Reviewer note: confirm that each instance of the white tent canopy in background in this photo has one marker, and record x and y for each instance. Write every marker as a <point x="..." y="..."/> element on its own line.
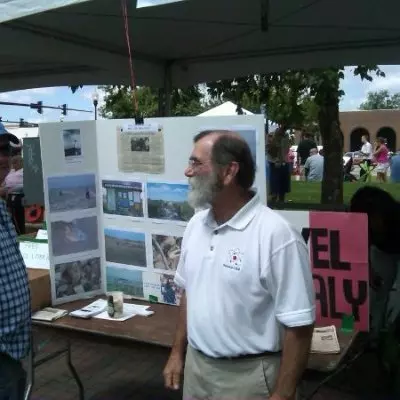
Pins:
<point x="22" y="133"/>
<point x="185" y="43"/>
<point x="227" y="108"/>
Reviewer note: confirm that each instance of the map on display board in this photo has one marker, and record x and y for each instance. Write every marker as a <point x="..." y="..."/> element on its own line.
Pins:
<point x="117" y="201"/>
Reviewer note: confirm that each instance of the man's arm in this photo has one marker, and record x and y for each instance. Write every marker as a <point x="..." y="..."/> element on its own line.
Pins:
<point x="180" y="342"/>
<point x="296" y="347"/>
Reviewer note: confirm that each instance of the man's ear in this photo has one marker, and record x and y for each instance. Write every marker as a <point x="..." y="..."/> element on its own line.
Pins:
<point x="229" y="173"/>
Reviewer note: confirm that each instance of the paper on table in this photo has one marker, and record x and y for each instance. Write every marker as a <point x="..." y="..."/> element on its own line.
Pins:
<point x="324" y="340"/>
<point x="130" y="310"/>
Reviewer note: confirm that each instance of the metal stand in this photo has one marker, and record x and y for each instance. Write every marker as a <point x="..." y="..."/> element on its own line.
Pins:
<point x="32" y="364"/>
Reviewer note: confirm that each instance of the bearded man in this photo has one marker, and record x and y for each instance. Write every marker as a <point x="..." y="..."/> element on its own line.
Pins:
<point x="247" y="310"/>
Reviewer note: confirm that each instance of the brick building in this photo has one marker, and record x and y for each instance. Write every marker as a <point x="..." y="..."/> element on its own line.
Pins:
<point x="385" y="123"/>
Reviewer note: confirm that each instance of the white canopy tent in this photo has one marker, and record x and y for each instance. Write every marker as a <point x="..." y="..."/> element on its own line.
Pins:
<point x="227" y="108"/>
<point x="184" y="43"/>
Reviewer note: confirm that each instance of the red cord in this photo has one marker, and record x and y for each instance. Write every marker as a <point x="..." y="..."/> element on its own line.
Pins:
<point x="128" y="42"/>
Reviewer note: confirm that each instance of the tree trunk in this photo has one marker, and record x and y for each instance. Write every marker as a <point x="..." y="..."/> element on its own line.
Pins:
<point x="332" y="141"/>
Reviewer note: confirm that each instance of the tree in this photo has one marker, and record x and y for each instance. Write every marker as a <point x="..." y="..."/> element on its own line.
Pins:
<point x="118" y="102"/>
<point x="298" y="98"/>
<point x="381" y="100"/>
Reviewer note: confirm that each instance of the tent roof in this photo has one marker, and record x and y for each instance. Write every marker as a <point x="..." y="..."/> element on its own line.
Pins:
<point x="227" y="108"/>
<point x="84" y="43"/>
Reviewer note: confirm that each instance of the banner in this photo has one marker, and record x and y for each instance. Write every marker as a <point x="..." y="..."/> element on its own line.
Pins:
<point x="338" y="244"/>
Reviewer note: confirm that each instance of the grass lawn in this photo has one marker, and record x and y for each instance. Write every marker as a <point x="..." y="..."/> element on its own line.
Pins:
<point x="309" y="192"/>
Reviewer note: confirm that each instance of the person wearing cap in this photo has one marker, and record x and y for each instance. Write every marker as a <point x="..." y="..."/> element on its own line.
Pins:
<point x="248" y="303"/>
<point x="15" y="301"/>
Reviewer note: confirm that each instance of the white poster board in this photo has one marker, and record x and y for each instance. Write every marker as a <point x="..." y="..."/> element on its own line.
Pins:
<point x="116" y="197"/>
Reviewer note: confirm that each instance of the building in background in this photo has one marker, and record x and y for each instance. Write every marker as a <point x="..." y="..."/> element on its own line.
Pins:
<point x="374" y="123"/>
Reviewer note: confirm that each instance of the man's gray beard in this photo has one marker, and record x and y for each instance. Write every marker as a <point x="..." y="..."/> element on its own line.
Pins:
<point x="202" y="191"/>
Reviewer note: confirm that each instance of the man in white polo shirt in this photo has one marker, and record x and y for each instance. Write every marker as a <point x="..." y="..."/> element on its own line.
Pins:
<point x="247" y="312"/>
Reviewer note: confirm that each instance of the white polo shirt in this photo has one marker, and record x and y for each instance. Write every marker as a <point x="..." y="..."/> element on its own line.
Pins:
<point x="243" y="281"/>
<point x="367" y="149"/>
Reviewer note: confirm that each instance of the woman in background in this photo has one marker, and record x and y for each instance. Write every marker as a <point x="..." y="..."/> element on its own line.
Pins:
<point x="278" y="145"/>
<point x="381" y="155"/>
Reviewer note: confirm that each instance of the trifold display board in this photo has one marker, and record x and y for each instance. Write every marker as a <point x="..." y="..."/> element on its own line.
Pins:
<point x="116" y="201"/>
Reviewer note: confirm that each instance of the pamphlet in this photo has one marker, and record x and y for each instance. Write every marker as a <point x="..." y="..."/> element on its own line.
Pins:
<point x="129" y="311"/>
<point x="325" y="341"/>
<point x="90" y="310"/>
<point x="49" y="314"/>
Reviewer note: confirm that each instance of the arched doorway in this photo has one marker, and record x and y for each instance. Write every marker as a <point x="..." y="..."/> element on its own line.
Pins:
<point x="355" y="138"/>
<point x="390" y="135"/>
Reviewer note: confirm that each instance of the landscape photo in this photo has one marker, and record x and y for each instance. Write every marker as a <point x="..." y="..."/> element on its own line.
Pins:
<point x="72" y="192"/>
<point x="123" y="198"/>
<point x="168" y="201"/>
<point x="166" y="251"/>
<point x="129" y="281"/>
<point x="78" y="235"/>
<point x="77" y="277"/>
<point x="125" y="247"/>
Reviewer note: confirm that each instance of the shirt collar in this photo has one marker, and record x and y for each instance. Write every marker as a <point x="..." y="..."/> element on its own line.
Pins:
<point x="242" y="217"/>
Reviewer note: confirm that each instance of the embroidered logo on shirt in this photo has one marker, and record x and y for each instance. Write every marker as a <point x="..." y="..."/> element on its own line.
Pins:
<point x="235" y="259"/>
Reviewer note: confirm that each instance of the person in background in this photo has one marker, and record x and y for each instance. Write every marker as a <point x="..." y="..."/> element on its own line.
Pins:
<point x="15" y="305"/>
<point x="248" y="304"/>
<point x="314" y="166"/>
<point x="14" y="182"/>
<point x="384" y="231"/>
<point x="303" y="151"/>
<point x="381" y="154"/>
<point x="279" y="174"/>
<point x="366" y="151"/>
<point x="395" y="168"/>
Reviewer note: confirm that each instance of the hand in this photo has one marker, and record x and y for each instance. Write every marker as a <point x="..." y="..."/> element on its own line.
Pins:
<point x="173" y="372"/>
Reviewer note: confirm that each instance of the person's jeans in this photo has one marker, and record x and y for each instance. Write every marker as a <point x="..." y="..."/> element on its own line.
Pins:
<point x="12" y="378"/>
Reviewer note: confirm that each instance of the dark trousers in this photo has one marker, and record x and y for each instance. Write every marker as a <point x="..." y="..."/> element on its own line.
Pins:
<point x="12" y="378"/>
<point x="16" y="206"/>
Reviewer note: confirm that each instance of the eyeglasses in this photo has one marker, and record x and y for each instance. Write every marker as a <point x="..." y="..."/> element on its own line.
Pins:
<point x="194" y="163"/>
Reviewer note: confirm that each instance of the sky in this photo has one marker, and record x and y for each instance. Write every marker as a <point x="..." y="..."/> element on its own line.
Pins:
<point x="167" y="191"/>
<point x="71" y="181"/>
<point x="135" y="236"/>
<point x="356" y="92"/>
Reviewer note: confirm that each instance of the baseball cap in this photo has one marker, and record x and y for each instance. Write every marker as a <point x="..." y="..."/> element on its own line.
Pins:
<point x="12" y="139"/>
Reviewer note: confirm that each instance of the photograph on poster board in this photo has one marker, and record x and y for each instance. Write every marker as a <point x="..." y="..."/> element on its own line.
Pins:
<point x="168" y="201"/>
<point x="71" y="192"/>
<point x="129" y="281"/>
<point x="77" y="277"/>
<point x="76" y="236"/>
<point x="141" y="148"/>
<point x="166" y="251"/>
<point x="124" y="198"/>
<point x="162" y="288"/>
<point x="250" y="136"/>
<point x="72" y="145"/>
<point x="125" y="247"/>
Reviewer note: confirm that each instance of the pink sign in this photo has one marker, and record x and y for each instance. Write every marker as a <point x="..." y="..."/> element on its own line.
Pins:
<point x="339" y="258"/>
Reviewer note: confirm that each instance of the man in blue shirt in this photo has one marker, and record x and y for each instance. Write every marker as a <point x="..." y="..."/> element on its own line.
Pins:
<point x="395" y="168"/>
<point x="15" y="302"/>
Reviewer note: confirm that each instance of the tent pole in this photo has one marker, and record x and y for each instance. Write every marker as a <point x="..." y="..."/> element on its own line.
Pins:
<point x="168" y="89"/>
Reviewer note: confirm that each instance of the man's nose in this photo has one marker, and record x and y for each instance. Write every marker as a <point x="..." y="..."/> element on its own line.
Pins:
<point x="189" y="172"/>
